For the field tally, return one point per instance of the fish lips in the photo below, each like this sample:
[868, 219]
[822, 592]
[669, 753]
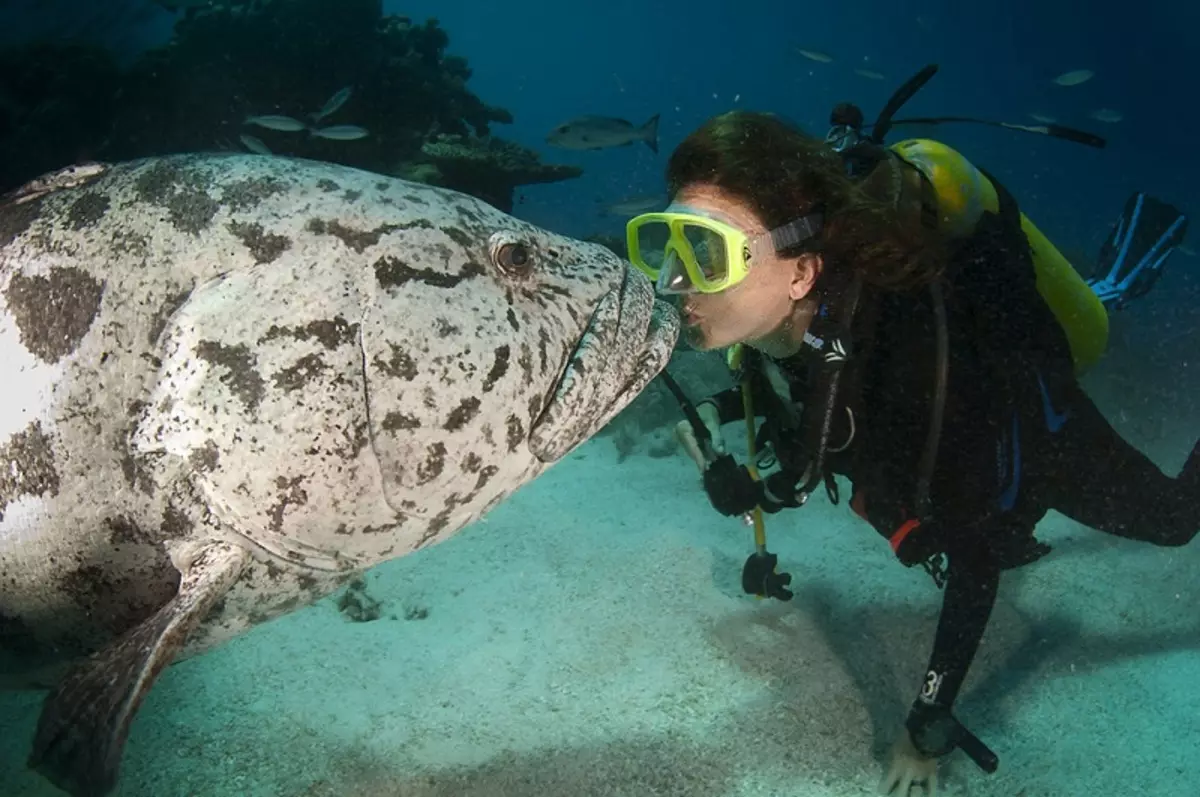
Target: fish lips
[627, 342]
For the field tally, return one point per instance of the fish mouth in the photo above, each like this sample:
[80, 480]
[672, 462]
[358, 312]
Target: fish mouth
[627, 342]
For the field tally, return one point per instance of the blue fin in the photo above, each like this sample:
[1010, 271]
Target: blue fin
[1132, 257]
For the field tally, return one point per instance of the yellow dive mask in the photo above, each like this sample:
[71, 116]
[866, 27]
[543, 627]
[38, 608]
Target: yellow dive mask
[687, 250]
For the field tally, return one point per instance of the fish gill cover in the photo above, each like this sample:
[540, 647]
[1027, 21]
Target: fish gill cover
[65, 102]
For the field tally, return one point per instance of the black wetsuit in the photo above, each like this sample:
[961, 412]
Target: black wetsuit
[1019, 436]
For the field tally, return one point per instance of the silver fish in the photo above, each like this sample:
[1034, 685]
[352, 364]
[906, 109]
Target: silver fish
[1074, 77]
[340, 132]
[254, 144]
[633, 205]
[815, 55]
[285, 124]
[247, 397]
[602, 132]
[333, 103]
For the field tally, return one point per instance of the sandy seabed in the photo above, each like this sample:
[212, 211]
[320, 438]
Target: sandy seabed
[590, 637]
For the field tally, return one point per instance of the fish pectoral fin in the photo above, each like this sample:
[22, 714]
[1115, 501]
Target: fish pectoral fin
[85, 720]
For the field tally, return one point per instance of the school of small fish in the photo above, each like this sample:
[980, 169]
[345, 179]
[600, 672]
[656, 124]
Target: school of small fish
[289, 124]
[602, 132]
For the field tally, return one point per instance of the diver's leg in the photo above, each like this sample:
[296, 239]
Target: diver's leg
[1092, 475]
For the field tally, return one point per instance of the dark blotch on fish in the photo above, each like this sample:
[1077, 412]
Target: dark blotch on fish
[297, 376]
[53, 313]
[182, 193]
[525, 360]
[242, 378]
[500, 362]
[400, 365]
[331, 333]
[263, 245]
[516, 432]
[358, 240]
[27, 466]
[436, 526]
[434, 464]
[122, 530]
[136, 474]
[206, 458]
[463, 414]
[485, 476]
[459, 237]
[290, 494]
[535, 408]
[444, 329]
[327, 185]
[397, 421]
[246, 194]
[87, 210]
[391, 272]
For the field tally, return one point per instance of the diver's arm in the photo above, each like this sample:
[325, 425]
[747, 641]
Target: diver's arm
[728, 404]
[971, 588]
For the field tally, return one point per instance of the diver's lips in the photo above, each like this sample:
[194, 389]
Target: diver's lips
[628, 340]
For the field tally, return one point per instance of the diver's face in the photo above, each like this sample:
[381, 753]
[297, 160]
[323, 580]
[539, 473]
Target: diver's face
[758, 305]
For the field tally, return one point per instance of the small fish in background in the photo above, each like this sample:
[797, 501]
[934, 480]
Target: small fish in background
[815, 55]
[1043, 118]
[285, 124]
[602, 132]
[633, 205]
[1184, 249]
[332, 105]
[254, 144]
[870, 74]
[1074, 77]
[1106, 115]
[340, 132]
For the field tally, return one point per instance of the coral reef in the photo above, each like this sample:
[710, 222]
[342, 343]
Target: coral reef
[492, 166]
[230, 61]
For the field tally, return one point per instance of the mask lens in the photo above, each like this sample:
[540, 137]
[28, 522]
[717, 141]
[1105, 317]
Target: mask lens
[652, 243]
[708, 247]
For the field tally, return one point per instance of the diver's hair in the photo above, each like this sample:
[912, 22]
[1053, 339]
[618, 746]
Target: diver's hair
[783, 174]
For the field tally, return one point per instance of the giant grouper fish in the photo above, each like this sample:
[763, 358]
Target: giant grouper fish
[232, 382]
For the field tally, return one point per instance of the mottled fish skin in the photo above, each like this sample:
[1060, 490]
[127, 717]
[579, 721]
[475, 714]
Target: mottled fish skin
[330, 367]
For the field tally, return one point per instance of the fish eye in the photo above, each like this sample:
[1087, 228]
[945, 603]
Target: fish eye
[512, 256]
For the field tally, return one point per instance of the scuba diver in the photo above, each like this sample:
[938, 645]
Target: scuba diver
[894, 318]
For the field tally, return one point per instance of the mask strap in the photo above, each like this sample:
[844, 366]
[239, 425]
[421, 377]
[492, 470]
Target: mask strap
[796, 232]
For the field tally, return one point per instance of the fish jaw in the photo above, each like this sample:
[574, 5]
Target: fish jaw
[628, 341]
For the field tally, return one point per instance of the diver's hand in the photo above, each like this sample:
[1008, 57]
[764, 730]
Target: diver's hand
[730, 487]
[687, 436]
[908, 768]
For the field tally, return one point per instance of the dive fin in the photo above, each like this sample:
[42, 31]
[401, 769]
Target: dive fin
[1132, 257]
[85, 720]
